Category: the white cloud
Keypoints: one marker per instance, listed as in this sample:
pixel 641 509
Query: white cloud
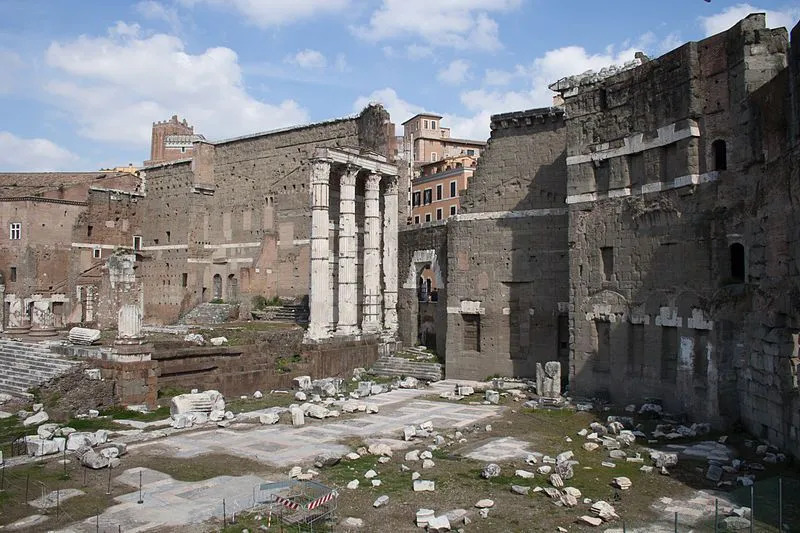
pixel 723 20
pixel 33 155
pixel 456 73
pixel 340 64
pixel 114 86
pixel 153 10
pixel 418 51
pixel 533 80
pixel 461 24
pixel 271 13
pixel 310 59
pixel 399 110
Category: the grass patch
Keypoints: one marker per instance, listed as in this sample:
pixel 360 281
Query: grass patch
pixel 121 413
pixel 93 424
pixel 169 392
pixel 239 405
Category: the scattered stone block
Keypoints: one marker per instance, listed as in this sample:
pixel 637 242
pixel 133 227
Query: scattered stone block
pixel 591 520
pixel 622 483
pixel 520 489
pixel 39 418
pixel 83 336
pixel 424 516
pixel 438 524
pixel 491 470
pixel 485 503
pixel 353 484
pixel 421 485
pixel 381 501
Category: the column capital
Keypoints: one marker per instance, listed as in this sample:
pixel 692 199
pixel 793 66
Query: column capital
pixel 373 181
pixel 391 184
pixel 348 177
pixel 320 171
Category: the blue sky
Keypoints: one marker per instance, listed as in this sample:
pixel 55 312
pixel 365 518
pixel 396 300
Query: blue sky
pixel 82 82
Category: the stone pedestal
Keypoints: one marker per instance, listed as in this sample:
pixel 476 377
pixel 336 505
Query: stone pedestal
pixel 17 321
pixel 42 323
pixel 130 345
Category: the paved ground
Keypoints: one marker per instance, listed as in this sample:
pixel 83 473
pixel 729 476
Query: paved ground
pixel 501 449
pixel 168 502
pixel 286 446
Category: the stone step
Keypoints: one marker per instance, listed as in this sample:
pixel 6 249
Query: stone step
pixel 34 363
pixel 56 359
pixel 398 366
pixel 27 365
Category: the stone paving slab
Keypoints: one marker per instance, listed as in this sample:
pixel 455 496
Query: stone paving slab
pixel 170 503
pixel 500 449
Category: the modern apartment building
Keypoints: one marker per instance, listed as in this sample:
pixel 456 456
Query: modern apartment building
pixel 436 191
pixel 429 151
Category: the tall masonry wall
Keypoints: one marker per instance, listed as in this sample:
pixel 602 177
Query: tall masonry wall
pixel 669 258
pixel 234 221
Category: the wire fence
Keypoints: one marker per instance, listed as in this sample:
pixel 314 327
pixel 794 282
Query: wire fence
pixel 768 506
pixel 62 492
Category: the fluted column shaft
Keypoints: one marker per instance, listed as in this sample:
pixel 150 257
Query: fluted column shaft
pixel 390 256
pixel 319 300
pixel 348 252
pixel 372 255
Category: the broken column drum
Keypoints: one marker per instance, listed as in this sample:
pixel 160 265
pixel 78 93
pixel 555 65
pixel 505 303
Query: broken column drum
pixel 349 304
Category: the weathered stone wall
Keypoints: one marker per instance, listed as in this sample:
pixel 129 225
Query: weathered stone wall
pixel 235 221
pixel 270 365
pixel 507 255
pixel 420 246
pixel 661 306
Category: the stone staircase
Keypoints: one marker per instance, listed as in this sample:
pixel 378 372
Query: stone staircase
pixel 208 313
pixel 25 365
pixel 405 365
pixel 296 314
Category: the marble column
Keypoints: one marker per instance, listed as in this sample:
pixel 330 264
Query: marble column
pixel 318 300
pixel 42 323
pixel 371 321
pixel 390 256
pixel 16 314
pixel 129 324
pixel 348 252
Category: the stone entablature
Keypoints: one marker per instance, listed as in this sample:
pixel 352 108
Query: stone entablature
pixel 333 298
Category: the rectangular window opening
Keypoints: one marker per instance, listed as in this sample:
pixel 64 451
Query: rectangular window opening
pixel 607 258
pixel 137 242
pixel 13 275
pixel 169 236
pixel 452 210
pixel 602 361
pixel 96 253
pixel 15 231
pixel 472 332
pixel 669 354
pixel 602 175
pixel 453 189
pixel 89 231
pixel 439 214
pixel 184 279
pixel 439 192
